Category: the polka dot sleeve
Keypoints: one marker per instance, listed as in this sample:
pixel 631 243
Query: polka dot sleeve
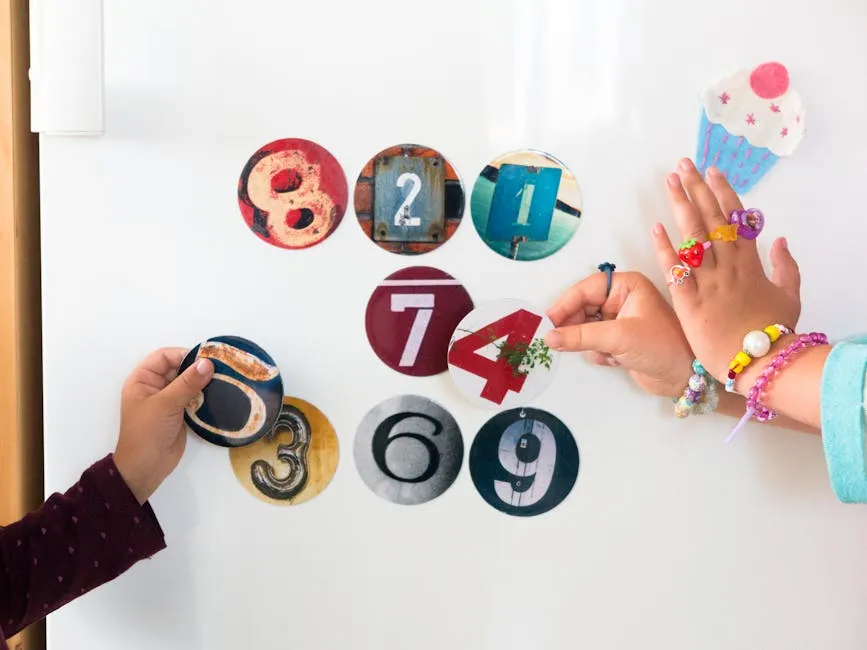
pixel 75 542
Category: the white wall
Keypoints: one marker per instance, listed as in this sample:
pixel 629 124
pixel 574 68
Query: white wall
pixel 669 539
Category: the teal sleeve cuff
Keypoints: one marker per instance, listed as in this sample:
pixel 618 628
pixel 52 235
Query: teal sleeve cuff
pixel 843 419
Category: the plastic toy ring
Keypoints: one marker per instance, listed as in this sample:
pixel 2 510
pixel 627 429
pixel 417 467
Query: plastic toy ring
pixel 728 233
pixel 608 269
pixel 691 252
pixel 750 222
pixel 677 274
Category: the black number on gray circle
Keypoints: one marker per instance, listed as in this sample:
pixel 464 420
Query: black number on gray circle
pixel 408 449
pixel 382 438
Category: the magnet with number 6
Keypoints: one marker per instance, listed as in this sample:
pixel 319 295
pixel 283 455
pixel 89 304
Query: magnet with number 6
pixel 408 449
pixel 411 316
pixel 498 356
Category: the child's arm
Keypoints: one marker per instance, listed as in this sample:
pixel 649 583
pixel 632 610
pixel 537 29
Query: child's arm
pixel 75 542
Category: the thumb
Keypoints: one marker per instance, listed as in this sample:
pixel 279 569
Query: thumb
pixel 785 273
pixel 606 337
pixel 188 384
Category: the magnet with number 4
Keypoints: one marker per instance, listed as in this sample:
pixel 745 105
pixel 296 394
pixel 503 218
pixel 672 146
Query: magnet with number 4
pixel 409 199
pixel 526 205
pixel 524 462
pixel 411 316
pixel 408 449
pixel 498 356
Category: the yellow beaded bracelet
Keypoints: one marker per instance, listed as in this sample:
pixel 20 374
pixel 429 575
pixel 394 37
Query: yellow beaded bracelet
pixel 757 343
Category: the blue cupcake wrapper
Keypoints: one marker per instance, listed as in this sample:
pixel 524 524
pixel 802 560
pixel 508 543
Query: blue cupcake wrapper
pixel 742 164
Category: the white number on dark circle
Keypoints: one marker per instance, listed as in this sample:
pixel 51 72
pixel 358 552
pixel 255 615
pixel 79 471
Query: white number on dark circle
pixel 424 303
pixel 529 458
pixel 401 217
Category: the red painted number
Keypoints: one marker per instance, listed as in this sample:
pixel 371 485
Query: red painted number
pixel 519 328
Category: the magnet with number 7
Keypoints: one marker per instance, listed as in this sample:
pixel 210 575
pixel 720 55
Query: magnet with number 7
pixel 498 356
pixel 411 316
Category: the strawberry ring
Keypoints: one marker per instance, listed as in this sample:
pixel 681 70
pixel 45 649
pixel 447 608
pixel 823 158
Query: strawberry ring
pixel 691 252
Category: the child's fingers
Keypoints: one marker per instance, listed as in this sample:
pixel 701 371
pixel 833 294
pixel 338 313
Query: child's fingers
pixel 729 201
pixel 701 196
pixel 686 214
pixel 590 295
pixel 785 273
pixel 668 260
pixel 604 337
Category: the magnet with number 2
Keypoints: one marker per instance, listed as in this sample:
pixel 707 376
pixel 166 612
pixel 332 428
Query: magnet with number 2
pixel 498 356
pixel 409 199
pixel 292 193
pixel 408 449
pixel 411 316
pixel 524 462
pixel 526 205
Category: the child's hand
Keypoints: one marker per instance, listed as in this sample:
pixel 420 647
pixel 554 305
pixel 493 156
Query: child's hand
pixel 152 437
pixel 729 294
pixel 638 330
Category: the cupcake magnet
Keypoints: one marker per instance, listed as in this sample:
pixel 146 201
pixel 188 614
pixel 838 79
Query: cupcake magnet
pixel 749 121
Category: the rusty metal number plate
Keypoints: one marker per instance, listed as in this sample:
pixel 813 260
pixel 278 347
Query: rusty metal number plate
pixel 409 199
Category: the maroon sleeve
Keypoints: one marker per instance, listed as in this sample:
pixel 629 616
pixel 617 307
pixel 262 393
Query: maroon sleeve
pixel 75 542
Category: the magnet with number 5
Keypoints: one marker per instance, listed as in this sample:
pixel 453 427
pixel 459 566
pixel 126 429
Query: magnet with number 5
pixel 409 199
pixel 498 356
pixel 524 462
pixel 526 205
pixel 411 316
pixel 408 449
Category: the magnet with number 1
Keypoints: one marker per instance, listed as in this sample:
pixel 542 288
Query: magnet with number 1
pixel 409 199
pixel 526 205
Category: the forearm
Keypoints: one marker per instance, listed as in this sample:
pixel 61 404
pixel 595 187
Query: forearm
pixel 75 542
pixel 795 390
pixel 734 405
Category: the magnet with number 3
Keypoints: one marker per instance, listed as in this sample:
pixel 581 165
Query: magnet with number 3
pixel 524 462
pixel 498 356
pixel 526 205
pixel 409 199
pixel 411 316
pixel 408 449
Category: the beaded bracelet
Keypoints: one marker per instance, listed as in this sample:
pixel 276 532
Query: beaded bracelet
pixel 700 396
pixel 757 393
pixel 757 343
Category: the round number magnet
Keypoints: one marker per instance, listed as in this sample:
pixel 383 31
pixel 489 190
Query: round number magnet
pixel 294 462
pixel 411 316
pixel 526 205
pixel 524 462
pixel 498 356
pixel 292 193
pixel 408 449
pixel 242 401
pixel 409 199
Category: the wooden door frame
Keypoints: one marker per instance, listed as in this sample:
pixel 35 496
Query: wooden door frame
pixel 21 484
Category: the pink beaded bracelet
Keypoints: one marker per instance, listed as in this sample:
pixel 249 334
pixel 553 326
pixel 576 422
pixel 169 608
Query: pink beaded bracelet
pixel 757 393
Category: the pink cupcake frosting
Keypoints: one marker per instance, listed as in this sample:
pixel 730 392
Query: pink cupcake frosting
pixel 759 105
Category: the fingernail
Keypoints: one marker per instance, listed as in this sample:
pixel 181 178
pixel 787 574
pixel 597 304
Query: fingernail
pixel 713 171
pixel 784 243
pixel 685 164
pixel 673 180
pixel 613 362
pixel 203 366
pixel 554 339
pixel 657 229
